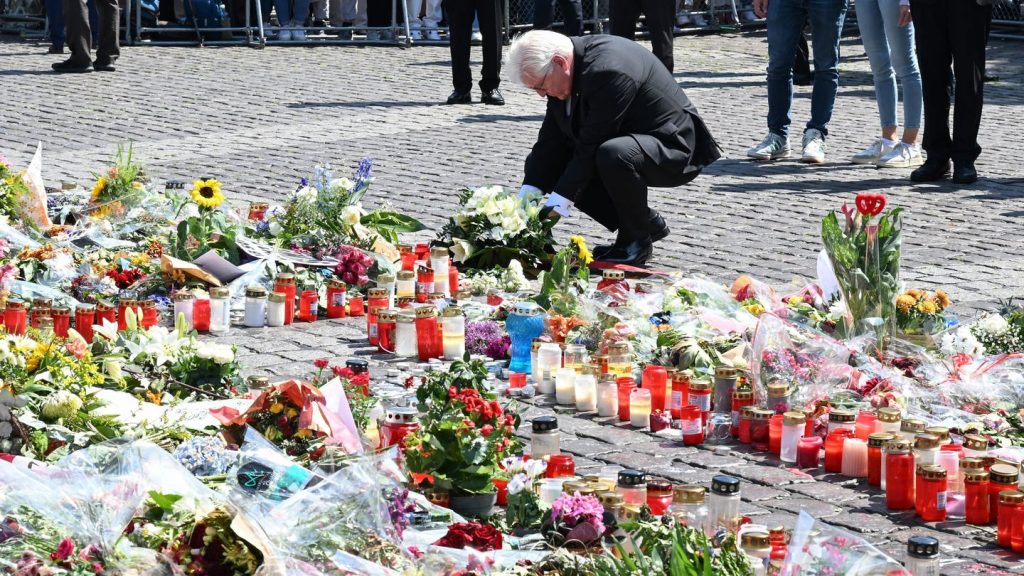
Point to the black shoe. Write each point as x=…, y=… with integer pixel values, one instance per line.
x=55, y=50
x=989, y=78
x=107, y=66
x=492, y=97
x=657, y=229
x=68, y=66
x=460, y=98
x=630, y=253
x=930, y=171
x=964, y=173
x=803, y=79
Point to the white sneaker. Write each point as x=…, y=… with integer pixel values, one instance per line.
x=683, y=20
x=284, y=35
x=902, y=156
x=477, y=36
x=373, y=35
x=871, y=154
x=699, y=21
x=814, y=147
x=298, y=35
x=433, y=35
x=772, y=147
x=415, y=34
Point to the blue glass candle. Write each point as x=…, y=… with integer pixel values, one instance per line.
x=524, y=323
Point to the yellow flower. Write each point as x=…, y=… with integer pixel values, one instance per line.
x=581, y=249
x=276, y=408
x=97, y=188
x=291, y=413
x=304, y=433
x=140, y=259
x=914, y=293
x=755, y=308
x=927, y=307
x=904, y=302
x=942, y=299
x=207, y=193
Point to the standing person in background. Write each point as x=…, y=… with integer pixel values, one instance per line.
x=572, y=11
x=658, y=16
x=431, y=16
x=346, y=14
x=80, y=37
x=379, y=15
x=888, y=38
x=951, y=31
x=291, y=14
x=460, y=30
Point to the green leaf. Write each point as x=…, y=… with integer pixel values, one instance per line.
x=164, y=501
x=391, y=221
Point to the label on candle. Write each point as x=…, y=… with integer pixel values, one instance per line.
x=735, y=417
x=940, y=500
x=372, y=330
x=690, y=427
x=425, y=287
x=677, y=400
x=338, y=299
x=702, y=401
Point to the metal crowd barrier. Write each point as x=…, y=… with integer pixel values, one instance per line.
x=24, y=17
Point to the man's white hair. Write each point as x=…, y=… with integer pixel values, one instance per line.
x=531, y=54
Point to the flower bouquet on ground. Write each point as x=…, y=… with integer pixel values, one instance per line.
x=567, y=280
x=659, y=547
x=523, y=509
x=480, y=537
x=206, y=227
x=13, y=192
x=1003, y=332
x=494, y=226
x=919, y=315
x=574, y=520
x=119, y=187
x=865, y=256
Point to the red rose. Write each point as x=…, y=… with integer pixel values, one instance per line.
x=321, y=363
x=338, y=371
x=486, y=430
x=452, y=392
x=486, y=538
x=468, y=423
x=64, y=550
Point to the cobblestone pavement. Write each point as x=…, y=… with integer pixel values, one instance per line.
x=258, y=120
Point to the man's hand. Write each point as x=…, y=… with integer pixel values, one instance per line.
x=905, y=17
x=761, y=8
x=548, y=213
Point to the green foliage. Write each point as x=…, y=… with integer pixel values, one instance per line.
x=209, y=230
x=658, y=549
x=390, y=224
x=568, y=278
x=461, y=375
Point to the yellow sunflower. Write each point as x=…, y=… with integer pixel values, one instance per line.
x=904, y=302
x=207, y=193
x=942, y=299
x=581, y=249
x=97, y=188
x=927, y=307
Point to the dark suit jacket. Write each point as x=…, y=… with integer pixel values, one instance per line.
x=618, y=88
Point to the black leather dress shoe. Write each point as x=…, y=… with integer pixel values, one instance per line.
x=492, y=97
x=631, y=253
x=69, y=67
x=930, y=171
x=657, y=229
x=55, y=50
x=107, y=66
x=460, y=98
x=964, y=173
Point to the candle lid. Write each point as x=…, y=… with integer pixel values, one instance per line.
x=608, y=498
x=899, y=446
x=591, y=370
x=285, y=278
x=572, y=487
x=336, y=284
x=544, y=423
x=1006, y=462
x=972, y=464
x=1003, y=474
x=940, y=431
x=755, y=540
x=613, y=274
x=452, y=312
x=406, y=276
x=148, y=303
x=89, y=308
x=632, y=478
x=922, y=547
x=358, y=365
x=403, y=248
x=688, y=494
x=386, y=315
x=747, y=412
x=742, y=395
x=680, y=376
x=1010, y=497
x=400, y=414
x=61, y=311
x=932, y=472
x=41, y=302
x=926, y=441
x=377, y=293
x=889, y=415
x=220, y=293
x=975, y=476
x=793, y=419
x=425, y=271
x=425, y=312
x=912, y=425
x=258, y=205
x=278, y=297
x=103, y=305
x=631, y=513
x=463, y=295
x=181, y=296
x=879, y=439
x=778, y=390
x=811, y=440
x=439, y=252
x=975, y=442
x=15, y=304
x=257, y=382
x=842, y=415
x=724, y=484
x=385, y=279
x=46, y=322
x=527, y=309
x=618, y=348
x=762, y=414
x=725, y=372
x=700, y=385
x=255, y=292
x=659, y=487
x=405, y=317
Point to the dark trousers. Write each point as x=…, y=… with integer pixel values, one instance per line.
x=378, y=13
x=460, y=31
x=79, y=34
x=572, y=10
x=945, y=32
x=55, y=21
x=617, y=196
x=802, y=58
x=659, y=16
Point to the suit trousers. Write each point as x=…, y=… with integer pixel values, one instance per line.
x=460, y=32
x=617, y=197
x=79, y=34
x=951, y=31
x=659, y=16
x=572, y=11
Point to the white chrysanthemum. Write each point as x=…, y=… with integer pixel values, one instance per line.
x=993, y=324
x=62, y=404
x=961, y=341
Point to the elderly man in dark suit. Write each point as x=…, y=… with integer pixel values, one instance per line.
x=616, y=123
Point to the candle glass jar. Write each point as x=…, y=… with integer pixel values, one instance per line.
x=565, y=386
x=740, y=400
x=407, y=256
x=888, y=420
x=424, y=284
x=405, y=285
x=106, y=313
x=575, y=357
x=778, y=397
x=453, y=332
x=876, y=442
x=150, y=316
x=855, y=458
x=976, y=498
x=680, y=384
x=759, y=424
x=775, y=433
x=453, y=282
x=1001, y=477
x=200, y=315
x=757, y=546
x=184, y=303
x=746, y=419
x=639, y=407
x=950, y=461
x=220, y=310
x=428, y=334
x=654, y=379
x=864, y=425
x=632, y=484
x=399, y=422
x=560, y=465
x=792, y=432
x=625, y=387
x=613, y=282
x=275, y=309
x=620, y=361
x=586, y=392
x=524, y=323
x=61, y=320
x=688, y=507
x=692, y=426
x=607, y=396
x=899, y=477
x=659, y=497
x=926, y=446
x=834, y=449
x=85, y=317
x=544, y=438
x=549, y=358
x=842, y=418
x=285, y=283
x=256, y=307
x=808, y=452
x=698, y=394
x=724, y=386
x=376, y=300
x=337, y=293
x=724, y=503
x=922, y=556
x=439, y=264
x=1008, y=504
x=405, y=335
x=386, y=326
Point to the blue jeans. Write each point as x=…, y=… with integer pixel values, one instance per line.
x=890, y=47
x=55, y=22
x=785, y=24
x=291, y=12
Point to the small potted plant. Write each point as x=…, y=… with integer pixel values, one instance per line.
x=574, y=521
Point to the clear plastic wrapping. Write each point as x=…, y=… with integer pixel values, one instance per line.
x=818, y=549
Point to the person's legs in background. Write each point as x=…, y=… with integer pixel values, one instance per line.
x=489, y=16
x=55, y=25
x=432, y=17
x=412, y=13
x=623, y=15
x=968, y=26
x=460, y=27
x=379, y=16
x=108, y=49
x=658, y=15
x=284, y=18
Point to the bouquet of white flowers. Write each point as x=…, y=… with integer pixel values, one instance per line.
x=493, y=226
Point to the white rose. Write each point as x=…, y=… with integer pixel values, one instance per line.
x=461, y=249
x=205, y=352
x=351, y=215
x=224, y=356
x=993, y=324
x=306, y=194
x=275, y=229
x=343, y=183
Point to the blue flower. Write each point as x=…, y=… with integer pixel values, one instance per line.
x=362, y=175
x=303, y=182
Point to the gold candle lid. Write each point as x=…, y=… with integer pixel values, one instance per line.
x=406, y=276
x=1003, y=474
x=889, y=415
x=778, y=390
x=725, y=372
x=932, y=472
x=940, y=431
x=975, y=476
x=606, y=498
x=912, y=425
x=1010, y=497
x=377, y=293
x=755, y=540
x=842, y=415
x=879, y=439
x=793, y=419
x=426, y=312
x=976, y=442
x=613, y=274
x=972, y=464
x=688, y=494
x=926, y=441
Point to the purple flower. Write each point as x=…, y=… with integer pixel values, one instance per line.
x=303, y=182
x=498, y=349
x=479, y=335
x=361, y=178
